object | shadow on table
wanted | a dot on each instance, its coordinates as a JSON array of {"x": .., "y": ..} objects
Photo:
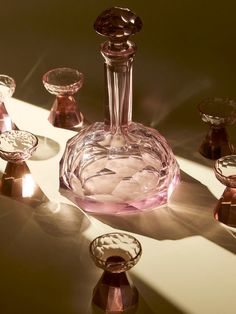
[
  {"x": 189, "y": 213},
  {"x": 55, "y": 218},
  {"x": 47, "y": 148},
  {"x": 37, "y": 269},
  {"x": 64, "y": 221},
  {"x": 159, "y": 304}
]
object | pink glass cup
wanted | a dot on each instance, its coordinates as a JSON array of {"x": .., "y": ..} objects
[{"x": 115, "y": 253}]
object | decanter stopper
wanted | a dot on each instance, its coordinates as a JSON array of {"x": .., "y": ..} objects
[{"x": 118, "y": 24}]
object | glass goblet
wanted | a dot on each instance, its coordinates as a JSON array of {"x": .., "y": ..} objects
[
  {"x": 17, "y": 182},
  {"x": 225, "y": 172},
  {"x": 65, "y": 112},
  {"x": 7, "y": 88},
  {"x": 218, "y": 113},
  {"x": 16, "y": 147},
  {"x": 115, "y": 253}
]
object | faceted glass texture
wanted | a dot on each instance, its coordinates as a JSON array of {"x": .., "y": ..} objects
[
  {"x": 225, "y": 171},
  {"x": 7, "y": 88},
  {"x": 118, "y": 166},
  {"x": 125, "y": 247},
  {"x": 115, "y": 253},
  {"x": 115, "y": 173},
  {"x": 117, "y": 22},
  {"x": 17, "y": 146},
  {"x": 65, "y": 112},
  {"x": 218, "y": 113}
]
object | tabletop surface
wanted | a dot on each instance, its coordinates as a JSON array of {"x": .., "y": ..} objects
[{"x": 188, "y": 261}]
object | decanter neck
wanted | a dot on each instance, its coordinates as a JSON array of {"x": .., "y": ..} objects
[{"x": 118, "y": 80}]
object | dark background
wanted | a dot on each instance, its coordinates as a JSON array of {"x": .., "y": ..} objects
[{"x": 186, "y": 51}]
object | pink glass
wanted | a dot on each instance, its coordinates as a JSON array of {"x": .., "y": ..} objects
[
  {"x": 115, "y": 253},
  {"x": 7, "y": 88},
  {"x": 218, "y": 113},
  {"x": 225, "y": 210},
  {"x": 16, "y": 147},
  {"x": 65, "y": 112},
  {"x": 118, "y": 166}
]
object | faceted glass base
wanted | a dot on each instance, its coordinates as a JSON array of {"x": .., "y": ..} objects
[
  {"x": 225, "y": 210},
  {"x": 65, "y": 114},
  {"x": 127, "y": 171},
  {"x": 114, "y": 293},
  {"x": 216, "y": 144}
]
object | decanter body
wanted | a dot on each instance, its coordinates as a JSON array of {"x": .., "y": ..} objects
[{"x": 118, "y": 165}]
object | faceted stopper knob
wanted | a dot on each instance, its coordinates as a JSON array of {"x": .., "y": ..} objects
[{"x": 117, "y": 24}]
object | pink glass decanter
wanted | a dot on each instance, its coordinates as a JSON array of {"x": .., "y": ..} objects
[
  {"x": 217, "y": 113},
  {"x": 7, "y": 88},
  {"x": 65, "y": 112},
  {"x": 115, "y": 253},
  {"x": 118, "y": 166},
  {"x": 225, "y": 172},
  {"x": 16, "y": 147}
]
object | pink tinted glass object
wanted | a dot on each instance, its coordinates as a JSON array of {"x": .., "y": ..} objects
[
  {"x": 65, "y": 112},
  {"x": 225, "y": 171},
  {"x": 7, "y": 88},
  {"x": 16, "y": 147},
  {"x": 218, "y": 113},
  {"x": 118, "y": 166},
  {"x": 115, "y": 253}
]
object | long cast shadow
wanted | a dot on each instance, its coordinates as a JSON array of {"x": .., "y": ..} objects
[{"x": 189, "y": 213}]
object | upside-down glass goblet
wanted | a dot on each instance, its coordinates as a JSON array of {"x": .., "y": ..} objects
[
  {"x": 7, "y": 88},
  {"x": 115, "y": 253},
  {"x": 16, "y": 147},
  {"x": 225, "y": 210},
  {"x": 218, "y": 113},
  {"x": 65, "y": 112}
]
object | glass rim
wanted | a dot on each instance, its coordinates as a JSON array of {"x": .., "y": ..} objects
[
  {"x": 33, "y": 146},
  {"x": 46, "y": 75},
  {"x": 97, "y": 259},
  {"x": 216, "y": 99},
  {"x": 225, "y": 179},
  {"x": 8, "y": 81}
]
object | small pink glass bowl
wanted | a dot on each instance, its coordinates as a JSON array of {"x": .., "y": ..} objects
[
  {"x": 115, "y": 252},
  {"x": 17, "y": 145},
  {"x": 63, "y": 81},
  {"x": 225, "y": 170}
]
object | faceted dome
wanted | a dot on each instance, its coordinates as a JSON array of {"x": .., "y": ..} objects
[{"x": 114, "y": 173}]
